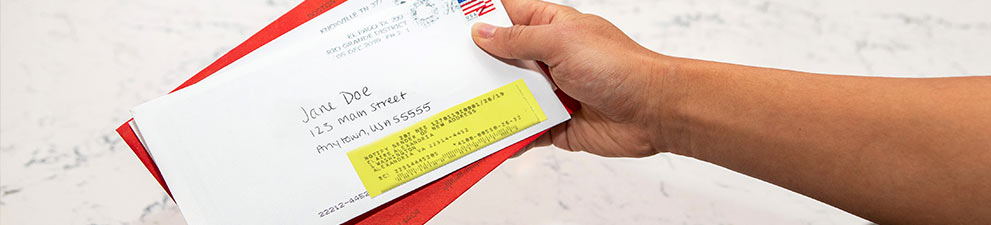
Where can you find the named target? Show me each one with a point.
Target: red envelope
(416, 207)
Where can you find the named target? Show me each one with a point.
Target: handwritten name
(349, 97)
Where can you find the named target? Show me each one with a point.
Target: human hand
(919, 144)
(593, 62)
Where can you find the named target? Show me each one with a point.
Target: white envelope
(326, 23)
(236, 150)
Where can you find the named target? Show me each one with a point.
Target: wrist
(667, 90)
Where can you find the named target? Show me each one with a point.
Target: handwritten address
(323, 119)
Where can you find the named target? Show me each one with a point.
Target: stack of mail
(358, 111)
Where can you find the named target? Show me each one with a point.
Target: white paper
(235, 150)
(325, 24)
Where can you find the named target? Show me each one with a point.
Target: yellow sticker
(445, 137)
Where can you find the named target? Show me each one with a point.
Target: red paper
(416, 207)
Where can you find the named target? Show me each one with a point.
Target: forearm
(920, 148)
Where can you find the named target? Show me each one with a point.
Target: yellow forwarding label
(446, 136)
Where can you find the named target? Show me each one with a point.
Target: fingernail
(484, 30)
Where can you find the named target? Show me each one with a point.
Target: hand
(593, 62)
(892, 150)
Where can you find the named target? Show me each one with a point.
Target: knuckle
(516, 33)
(514, 37)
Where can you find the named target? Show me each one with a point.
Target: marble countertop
(70, 70)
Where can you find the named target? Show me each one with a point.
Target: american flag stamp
(476, 8)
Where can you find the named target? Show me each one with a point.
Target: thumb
(516, 42)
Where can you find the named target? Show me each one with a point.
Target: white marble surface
(70, 70)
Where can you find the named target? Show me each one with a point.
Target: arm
(890, 150)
